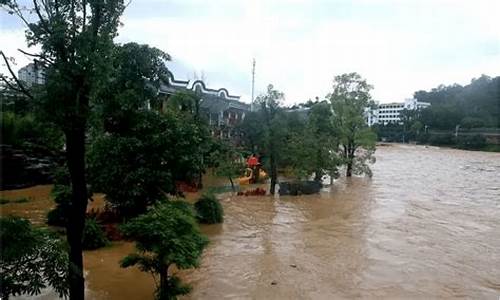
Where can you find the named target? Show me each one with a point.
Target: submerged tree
(349, 99)
(312, 146)
(273, 130)
(76, 41)
(31, 259)
(166, 235)
(226, 161)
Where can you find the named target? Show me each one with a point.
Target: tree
(31, 259)
(349, 99)
(142, 149)
(313, 145)
(227, 161)
(273, 129)
(252, 128)
(475, 104)
(76, 41)
(139, 168)
(166, 235)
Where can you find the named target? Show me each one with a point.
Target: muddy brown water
(427, 225)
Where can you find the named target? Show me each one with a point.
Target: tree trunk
(274, 173)
(256, 174)
(350, 159)
(232, 184)
(349, 169)
(163, 293)
(318, 175)
(75, 153)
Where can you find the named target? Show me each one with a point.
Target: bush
(62, 197)
(93, 235)
(56, 217)
(472, 142)
(442, 139)
(209, 210)
(166, 235)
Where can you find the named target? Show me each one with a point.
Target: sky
(398, 46)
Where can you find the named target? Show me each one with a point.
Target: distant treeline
(476, 105)
(466, 117)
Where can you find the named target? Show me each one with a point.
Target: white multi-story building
(386, 113)
(32, 74)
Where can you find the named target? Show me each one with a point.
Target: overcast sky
(399, 46)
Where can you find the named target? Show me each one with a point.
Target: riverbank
(486, 148)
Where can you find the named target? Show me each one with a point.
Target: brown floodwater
(427, 225)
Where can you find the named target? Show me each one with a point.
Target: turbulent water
(427, 225)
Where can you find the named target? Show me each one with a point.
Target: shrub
(442, 139)
(166, 235)
(56, 217)
(62, 198)
(93, 235)
(209, 210)
(472, 142)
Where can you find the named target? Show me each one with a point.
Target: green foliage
(313, 145)
(18, 129)
(226, 161)
(75, 42)
(135, 169)
(61, 193)
(139, 154)
(166, 235)
(209, 210)
(272, 129)
(31, 259)
(93, 235)
(471, 142)
(473, 105)
(349, 99)
(442, 139)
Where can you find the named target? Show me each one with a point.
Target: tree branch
(42, 19)
(21, 86)
(44, 58)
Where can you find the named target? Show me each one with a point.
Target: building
(386, 113)
(32, 74)
(222, 110)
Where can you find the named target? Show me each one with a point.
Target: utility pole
(253, 83)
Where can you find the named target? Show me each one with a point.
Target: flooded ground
(427, 225)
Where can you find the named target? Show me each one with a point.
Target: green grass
(20, 200)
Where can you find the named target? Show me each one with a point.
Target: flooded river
(427, 225)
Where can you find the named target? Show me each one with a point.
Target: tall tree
(349, 99)
(273, 129)
(138, 147)
(76, 42)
